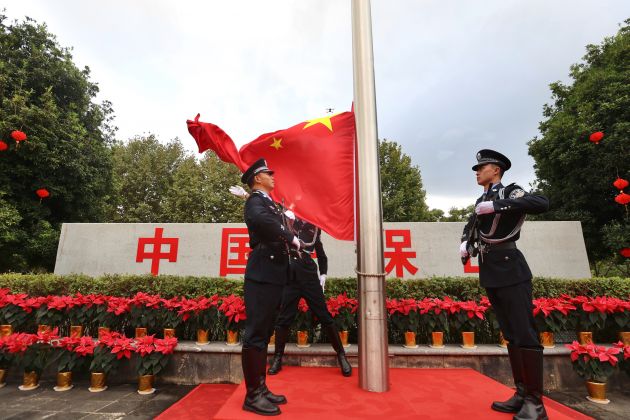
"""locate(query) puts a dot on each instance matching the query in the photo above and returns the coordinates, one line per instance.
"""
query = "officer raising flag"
(504, 273)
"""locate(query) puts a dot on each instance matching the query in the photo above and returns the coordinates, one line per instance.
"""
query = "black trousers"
(261, 305)
(303, 283)
(513, 308)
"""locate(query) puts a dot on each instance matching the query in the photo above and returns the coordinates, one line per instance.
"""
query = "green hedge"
(462, 288)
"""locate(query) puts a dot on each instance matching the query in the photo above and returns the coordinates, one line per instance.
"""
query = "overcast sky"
(452, 76)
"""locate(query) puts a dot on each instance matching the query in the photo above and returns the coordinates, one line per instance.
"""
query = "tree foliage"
(155, 182)
(45, 95)
(403, 197)
(574, 173)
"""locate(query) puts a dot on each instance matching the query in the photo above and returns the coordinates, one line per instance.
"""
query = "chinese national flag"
(313, 163)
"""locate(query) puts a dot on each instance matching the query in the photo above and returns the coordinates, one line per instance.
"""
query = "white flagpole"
(373, 348)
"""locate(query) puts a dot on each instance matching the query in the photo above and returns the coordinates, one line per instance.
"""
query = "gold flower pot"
(43, 328)
(343, 336)
(468, 340)
(502, 341)
(64, 381)
(30, 381)
(145, 384)
(546, 340)
(6, 330)
(202, 337)
(141, 332)
(585, 337)
(302, 339)
(410, 340)
(624, 336)
(76, 331)
(232, 338)
(3, 377)
(597, 392)
(169, 332)
(272, 339)
(97, 382)
(102, 331)
(437, 339)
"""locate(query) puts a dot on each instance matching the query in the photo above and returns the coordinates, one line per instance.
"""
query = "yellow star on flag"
(276, 143)
(323, 120)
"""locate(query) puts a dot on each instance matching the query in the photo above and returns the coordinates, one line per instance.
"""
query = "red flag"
(313, 163)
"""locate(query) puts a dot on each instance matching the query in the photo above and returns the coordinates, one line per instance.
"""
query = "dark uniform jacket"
(311, 236)
(269, 240)
(500, 263)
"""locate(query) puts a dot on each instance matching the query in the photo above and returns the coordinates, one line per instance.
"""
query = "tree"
(458, 214)
(403, 198)
(574, 173)
(43, 94)
(162, 183)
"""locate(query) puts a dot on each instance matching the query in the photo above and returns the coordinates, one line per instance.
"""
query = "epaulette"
(513, 191)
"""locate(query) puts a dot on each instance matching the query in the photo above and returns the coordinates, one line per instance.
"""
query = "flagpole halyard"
(373, 349)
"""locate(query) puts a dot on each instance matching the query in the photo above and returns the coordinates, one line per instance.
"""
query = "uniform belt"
(500, 246)
(274, 246)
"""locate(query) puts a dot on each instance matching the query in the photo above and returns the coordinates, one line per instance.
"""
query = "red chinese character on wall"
(398, 240)
(156, 254)
(469, 268)
(234, 251)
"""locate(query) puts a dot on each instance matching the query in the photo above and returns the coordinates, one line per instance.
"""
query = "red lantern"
(18, 136)
(3, 146)
(596, 137)
(42, 193)
(623, 198)
(625, 252)
(620, 184)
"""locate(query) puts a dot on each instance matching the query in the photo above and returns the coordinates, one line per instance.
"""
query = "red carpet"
(323, 394)
(203, 402)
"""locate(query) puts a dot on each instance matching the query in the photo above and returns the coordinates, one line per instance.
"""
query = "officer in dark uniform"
(504, 273)
(265, 275)
(305, 283)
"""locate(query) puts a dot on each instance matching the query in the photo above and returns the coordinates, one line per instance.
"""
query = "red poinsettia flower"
(145, 345)
(166, 345)
(122, 347)
(118, 305)
(302, 305)
(85, 346)
(46, 335)
(18, 136)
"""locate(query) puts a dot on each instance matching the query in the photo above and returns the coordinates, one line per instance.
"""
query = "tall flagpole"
(373, 357)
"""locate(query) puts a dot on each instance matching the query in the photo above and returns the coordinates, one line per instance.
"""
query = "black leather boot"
(281, 340)
(274, 398)
(255, 400)
(533, 408)
(514, 404)
(335, 341)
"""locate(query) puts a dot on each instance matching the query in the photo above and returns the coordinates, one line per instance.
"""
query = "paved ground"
(123, 402)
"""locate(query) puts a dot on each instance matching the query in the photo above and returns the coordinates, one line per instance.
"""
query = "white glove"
(322, 281)
(462, 249)
(239, 191)
(296, 242)
(289, 214)
(485, 207)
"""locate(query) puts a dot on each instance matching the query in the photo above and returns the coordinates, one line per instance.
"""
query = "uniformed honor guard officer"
(266, 273)
(304, 282)
(504, 273)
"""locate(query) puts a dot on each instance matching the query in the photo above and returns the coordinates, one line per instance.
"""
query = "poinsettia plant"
(6, 357)
(404, 314)
(621, 313)
(143, 310)
(32, 351)
(624, 356)
(343, 310)
(590, 314)
(552, 314)
(434, 314)
(169, 316)
(109, 351)
(112, 312)
(593, 363)
(17, 309)
(80, 310)
(153, 353)
(74, 352)
(53, 310)
(232, 309)
(304, 318)
(202, 311)
(468, 315)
